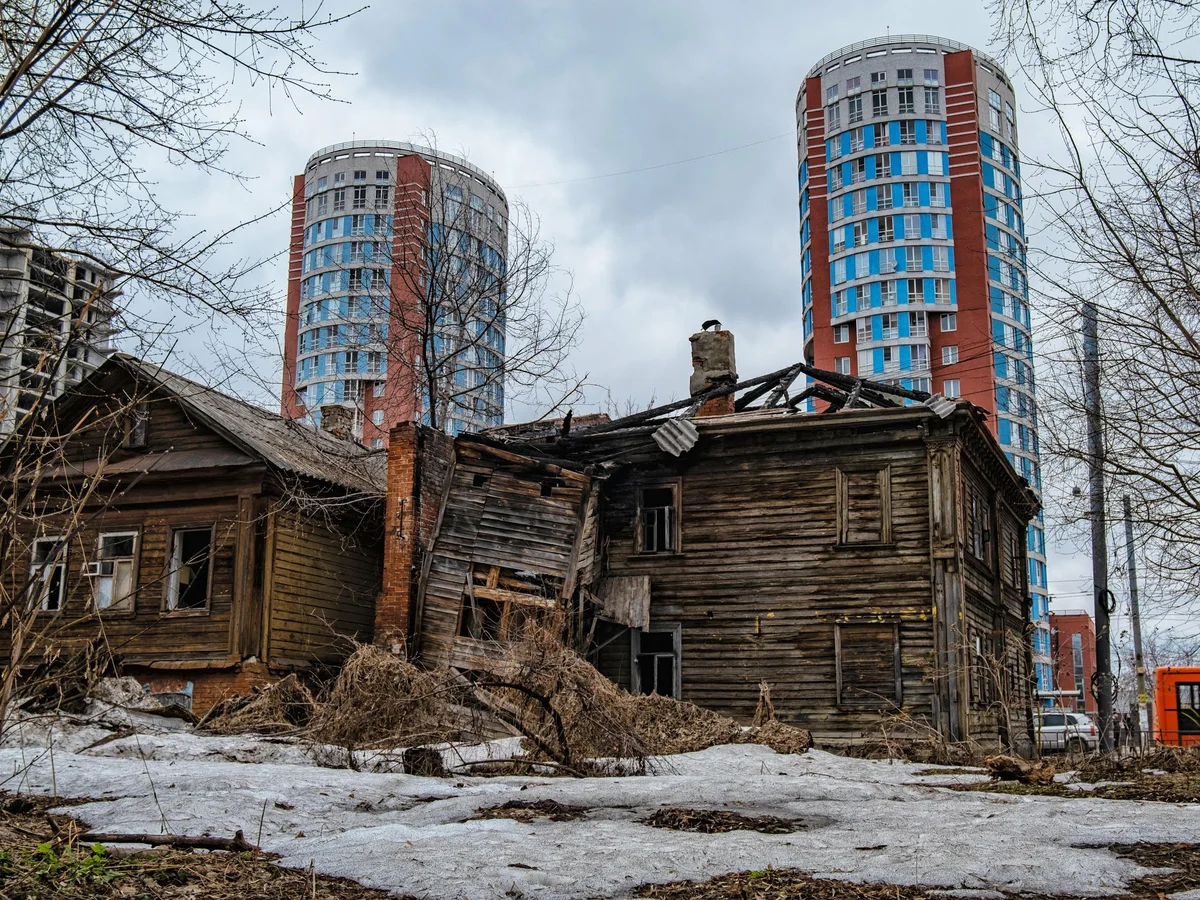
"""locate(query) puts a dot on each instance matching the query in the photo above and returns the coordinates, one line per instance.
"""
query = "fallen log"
(235, 844)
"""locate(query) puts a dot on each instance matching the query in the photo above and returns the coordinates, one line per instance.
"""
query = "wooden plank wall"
(322, 589)
(761, 580)
(149, 631)
(500, 511)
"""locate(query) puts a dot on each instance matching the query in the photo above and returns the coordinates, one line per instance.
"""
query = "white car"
(1060, 729)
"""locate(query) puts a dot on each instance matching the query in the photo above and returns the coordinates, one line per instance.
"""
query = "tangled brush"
(277, 708)
(569, 712)
(382, 700)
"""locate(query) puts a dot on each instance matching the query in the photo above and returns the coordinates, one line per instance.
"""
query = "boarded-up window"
(1013, 564)
(979, 524)
(864, 506)
(868, 664)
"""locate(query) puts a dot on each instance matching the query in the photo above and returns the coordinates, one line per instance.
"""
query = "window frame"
(675, 485)
(635, 648)
(172, 586)
(135, 563)
(44, 572)
(839, 686)
(842, 481)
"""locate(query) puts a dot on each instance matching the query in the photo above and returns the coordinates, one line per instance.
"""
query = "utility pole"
(1095, 449)
(1144, 717)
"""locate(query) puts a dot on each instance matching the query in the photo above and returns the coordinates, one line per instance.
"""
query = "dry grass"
(569, 712)
(718, 821)
(41, 859)
(527, 810)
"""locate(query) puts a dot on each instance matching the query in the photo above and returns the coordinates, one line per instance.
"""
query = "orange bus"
(1177, 705)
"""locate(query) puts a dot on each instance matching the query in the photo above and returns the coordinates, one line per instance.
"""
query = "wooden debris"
(1012, 768)
(235, 844)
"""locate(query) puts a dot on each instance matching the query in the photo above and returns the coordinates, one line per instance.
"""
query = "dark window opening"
(190, 569)
(482, 619)
(479, 480)
(137, 422)
(658, 520)
(505, 604)
(49, 571)
(656, 662)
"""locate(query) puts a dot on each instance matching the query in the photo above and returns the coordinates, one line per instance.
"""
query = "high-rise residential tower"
(56, 323)
(395, 290)
(913, 240)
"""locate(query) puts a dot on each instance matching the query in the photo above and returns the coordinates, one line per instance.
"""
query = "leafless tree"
(94, 95)
(1120, 80)
(477, 313)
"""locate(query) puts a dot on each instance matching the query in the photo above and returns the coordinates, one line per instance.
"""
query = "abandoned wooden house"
(866, 561)
(207, 544)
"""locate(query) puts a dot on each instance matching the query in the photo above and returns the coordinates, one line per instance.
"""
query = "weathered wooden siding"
(807, 551)
(321, 590)
(761, 580)
(505, 511)
(150, 632)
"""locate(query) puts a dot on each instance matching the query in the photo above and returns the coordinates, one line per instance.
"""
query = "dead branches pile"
(569, 712)
(281, 707)
(382, 700)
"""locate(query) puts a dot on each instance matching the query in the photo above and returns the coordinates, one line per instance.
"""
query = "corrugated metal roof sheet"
(676, 436)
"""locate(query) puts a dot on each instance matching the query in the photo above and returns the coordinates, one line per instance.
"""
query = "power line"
(677, 162)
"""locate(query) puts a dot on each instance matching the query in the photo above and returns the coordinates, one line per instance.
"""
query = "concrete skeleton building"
(367, 216)
(56, 323)
(913, 241)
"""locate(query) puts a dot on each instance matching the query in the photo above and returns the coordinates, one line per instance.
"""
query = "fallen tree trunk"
(235, 844)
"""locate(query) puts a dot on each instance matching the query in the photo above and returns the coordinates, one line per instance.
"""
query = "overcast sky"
(547, 96)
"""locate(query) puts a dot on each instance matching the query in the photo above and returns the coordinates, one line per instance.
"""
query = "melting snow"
(866, 820)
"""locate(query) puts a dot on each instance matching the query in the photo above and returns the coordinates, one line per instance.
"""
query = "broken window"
(190, 557)
(864, 506)
(48, 571)
(655, 654)
(868, 664)
(658, 519)
(137, 421)
(504, 604)
(113, 573)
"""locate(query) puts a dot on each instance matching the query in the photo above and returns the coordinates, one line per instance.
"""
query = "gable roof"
(288, 445)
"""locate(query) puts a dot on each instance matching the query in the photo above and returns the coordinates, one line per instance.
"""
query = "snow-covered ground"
(866, 820)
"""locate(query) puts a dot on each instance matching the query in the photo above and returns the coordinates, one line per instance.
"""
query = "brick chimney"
(338, 421)
(713, 365)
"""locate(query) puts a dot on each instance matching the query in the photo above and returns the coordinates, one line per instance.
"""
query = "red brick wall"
(289, 405)
(419, 461)
(209, 686)
(823, 350)
(974, 370)
(1062, 627)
